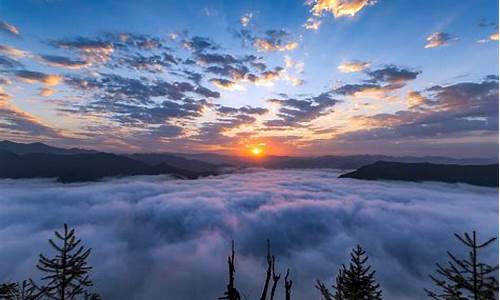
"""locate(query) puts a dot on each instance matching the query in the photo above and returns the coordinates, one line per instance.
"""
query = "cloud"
(353, 66)
(295, 112)
(38, 77)
(63, 62)
(46, 92)
(393, 74)
(492, 37)
(245, 19)
(382, 82)
(9, 63)
(94, 50)
(9, 28)
(339, 8)
(13, 52)
(226, 84)
(199, 44)
(450, 111)
(439, 39)
(172, 233)
(416, 100)
(274, 40)
(17, 124)
(312, 24)
(266, 45)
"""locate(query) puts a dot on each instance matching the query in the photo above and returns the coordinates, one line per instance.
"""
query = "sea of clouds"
(157, 238)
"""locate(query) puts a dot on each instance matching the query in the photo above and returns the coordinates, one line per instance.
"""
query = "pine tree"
(354, 283)
(464, 279)
(15, 291)
(67, 272)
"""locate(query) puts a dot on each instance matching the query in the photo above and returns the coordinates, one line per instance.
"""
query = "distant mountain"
(19, 160)
(20, 148)
(483, 175)
(175, 161)
(356, 161)
(82, 167)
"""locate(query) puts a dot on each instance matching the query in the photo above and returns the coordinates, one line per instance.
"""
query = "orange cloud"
(34, 77)
(416, 100)
(339, 8)
(353, 66)
(46, 92)
(11, 51)
(439, 39)
(226, 84)
(265, 45)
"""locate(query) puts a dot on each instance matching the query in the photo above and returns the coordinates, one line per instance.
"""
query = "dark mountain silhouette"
(20, 148)
(19, 160)
(82, 167)
(175, 161)
(483, 175)
(356, 161)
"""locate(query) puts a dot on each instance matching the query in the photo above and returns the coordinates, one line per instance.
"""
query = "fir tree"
(354, 283)
(15, 291)
(464, 279)
(67, 272)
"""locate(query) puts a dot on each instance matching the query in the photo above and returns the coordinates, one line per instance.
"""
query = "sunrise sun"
(257, 149)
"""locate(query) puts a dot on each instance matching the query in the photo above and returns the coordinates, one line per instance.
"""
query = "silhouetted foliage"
(67, 272)
(288, 286)
(464, 279)
(354, 283)
(232, 293)
(15, 291)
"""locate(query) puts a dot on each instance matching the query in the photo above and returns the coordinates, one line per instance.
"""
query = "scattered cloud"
(382, 82)
(492, 37)
(9, 28)
(339, 8)
(246, 19)
(294, 112)
(13, 52)
(226, 84)
(439, 39)
(353, 66)
(63, 62)
(312, 24)
(274, 41)
(38, 77)
(47, 92)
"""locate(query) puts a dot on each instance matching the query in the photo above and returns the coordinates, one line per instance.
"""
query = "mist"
(158, 238)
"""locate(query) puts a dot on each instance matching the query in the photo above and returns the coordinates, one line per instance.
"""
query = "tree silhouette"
(288, 286)
(354, 283)
(67, 272)
(15, 291)
(232, 293)
(464, 279)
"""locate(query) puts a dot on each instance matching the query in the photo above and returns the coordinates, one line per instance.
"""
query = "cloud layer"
(154, 237)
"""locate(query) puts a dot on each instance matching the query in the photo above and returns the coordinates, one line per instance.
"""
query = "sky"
(320, 77)
(153, 237)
